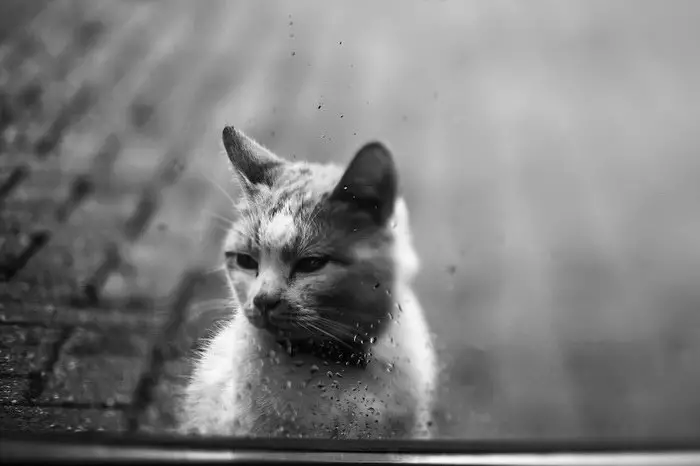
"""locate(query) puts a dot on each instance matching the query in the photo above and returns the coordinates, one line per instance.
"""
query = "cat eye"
(243, 261)
(310, 264)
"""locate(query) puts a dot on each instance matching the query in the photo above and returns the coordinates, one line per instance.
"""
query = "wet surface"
(546, 154)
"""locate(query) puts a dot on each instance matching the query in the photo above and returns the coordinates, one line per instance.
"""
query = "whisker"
(314, 214)
(358, 314)
(215, 302)
(228, 221)
(334, 337)
(342, 331)
(201, 310)
(333, 323)
(218, 186)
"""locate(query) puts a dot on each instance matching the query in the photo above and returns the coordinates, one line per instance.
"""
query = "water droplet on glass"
(373, 340)
(329, 374)
(389, 367)
(313, 369)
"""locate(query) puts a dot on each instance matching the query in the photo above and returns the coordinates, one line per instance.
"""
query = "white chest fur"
(246, 385)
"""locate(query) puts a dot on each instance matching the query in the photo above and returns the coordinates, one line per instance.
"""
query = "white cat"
(329, 340)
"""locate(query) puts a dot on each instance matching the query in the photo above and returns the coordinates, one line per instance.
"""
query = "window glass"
(507, 243)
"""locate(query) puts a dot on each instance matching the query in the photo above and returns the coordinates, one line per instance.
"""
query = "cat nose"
(266, 302)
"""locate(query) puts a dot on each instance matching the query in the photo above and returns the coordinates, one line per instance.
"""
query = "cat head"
(317, 249)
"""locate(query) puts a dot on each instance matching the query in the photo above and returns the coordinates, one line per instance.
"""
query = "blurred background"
(548, 152)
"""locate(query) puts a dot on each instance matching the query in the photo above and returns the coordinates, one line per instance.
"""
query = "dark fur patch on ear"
(253, 163)
(370, 183)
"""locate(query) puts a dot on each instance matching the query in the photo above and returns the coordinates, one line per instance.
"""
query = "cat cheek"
(305, 291)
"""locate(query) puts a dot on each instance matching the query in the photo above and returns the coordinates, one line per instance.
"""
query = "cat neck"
(352, 354)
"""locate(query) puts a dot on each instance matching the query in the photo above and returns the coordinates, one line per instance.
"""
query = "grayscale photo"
(421, 231)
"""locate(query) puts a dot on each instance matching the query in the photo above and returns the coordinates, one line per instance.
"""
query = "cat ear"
(254, 164)
(369, 184)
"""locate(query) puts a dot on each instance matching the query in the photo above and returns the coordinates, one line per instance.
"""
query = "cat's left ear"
(254, 164)
(369, 184)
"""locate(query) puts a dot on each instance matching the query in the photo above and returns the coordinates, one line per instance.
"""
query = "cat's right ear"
(254, 164)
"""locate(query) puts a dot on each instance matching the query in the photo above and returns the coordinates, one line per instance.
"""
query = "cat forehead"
(278, 217)
(278, 231)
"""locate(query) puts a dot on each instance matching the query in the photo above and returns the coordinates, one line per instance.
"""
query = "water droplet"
(373, 340)
(389, 367)
(329, 374)
(339, 375)
(377, 285)
(398, 306)
(313, 369)
(390, 315)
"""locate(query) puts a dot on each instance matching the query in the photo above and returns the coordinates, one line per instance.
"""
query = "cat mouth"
(279, 323)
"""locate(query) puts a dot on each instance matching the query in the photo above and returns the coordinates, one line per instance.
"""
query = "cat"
(329, 340)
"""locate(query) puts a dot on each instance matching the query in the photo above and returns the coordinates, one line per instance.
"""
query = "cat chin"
(278, 330)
